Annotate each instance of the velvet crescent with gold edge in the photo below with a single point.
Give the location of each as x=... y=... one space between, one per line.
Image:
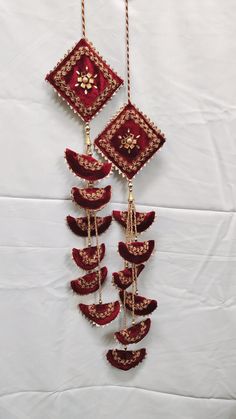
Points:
x=87 y=258
x=142 y=305
x=86 y=167
x=84 y=80
x=143 y=219
x=136 y=252
x=134 y=333
x=90 y=282
x=79 y=226
x=100 y=314
x=129 y=140
x=91 y=198
x=125 y=360
x=123 y=279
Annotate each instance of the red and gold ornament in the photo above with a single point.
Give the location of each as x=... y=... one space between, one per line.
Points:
x=86 y=82
x=129 y=141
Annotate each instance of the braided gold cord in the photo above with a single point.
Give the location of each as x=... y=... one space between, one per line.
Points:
x=89 y=228
x=83 y=17
x=98 y=254
x=127 y=48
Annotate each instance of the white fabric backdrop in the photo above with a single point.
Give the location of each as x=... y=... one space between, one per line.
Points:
x=183 y=56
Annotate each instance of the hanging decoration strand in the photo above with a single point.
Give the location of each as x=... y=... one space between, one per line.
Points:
x=127 y=48
x=83 y=17
x=99 y=259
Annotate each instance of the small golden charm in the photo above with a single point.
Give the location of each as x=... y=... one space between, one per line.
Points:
x=86 y=80
x=129 y=141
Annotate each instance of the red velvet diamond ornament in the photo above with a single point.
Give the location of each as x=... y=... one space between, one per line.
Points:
x=79 y=226
x=88 y=258
x=134 y=333
x=142 y=305
x=125 y=360
x=143 y=219
x=84 y=80
x=86 y=167
x=123 y=279
x=129 y=140
x=89 y=283
x=100 y=314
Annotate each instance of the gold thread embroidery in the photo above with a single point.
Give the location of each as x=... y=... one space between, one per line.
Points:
x=58 y=78
x=135 y=356
x=101 y=315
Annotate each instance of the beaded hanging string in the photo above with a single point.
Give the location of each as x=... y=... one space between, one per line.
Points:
x=84 y=80
x=129 y=141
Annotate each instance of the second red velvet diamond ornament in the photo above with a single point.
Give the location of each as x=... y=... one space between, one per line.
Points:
x=129 y=141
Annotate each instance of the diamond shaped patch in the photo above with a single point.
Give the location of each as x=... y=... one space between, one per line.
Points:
x=84 y=80
x=130 y=140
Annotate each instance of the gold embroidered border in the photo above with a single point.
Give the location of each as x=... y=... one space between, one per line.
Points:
x=60 y=82
x=110 y=307
x=135 y=356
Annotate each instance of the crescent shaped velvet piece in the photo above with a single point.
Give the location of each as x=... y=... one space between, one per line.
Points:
x=89 y=283
x=123 y=279
x=142 y=305
x=143 y=219
x=86 y=167
x=136 y=252
x=125 y=360
x=79 y=226
x=84 y=80
x=100 y=314
x=87 y=258
x=91 y=198
x=134 y=333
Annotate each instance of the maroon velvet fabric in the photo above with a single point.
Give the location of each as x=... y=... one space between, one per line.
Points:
x=142 y=305
x=136 y=252
x=143 y=220
x=86 y=167
x=87 y=258
x=91 y=198
x=123 y=279
x=124 y=359
x=100 y=314
x=79 y=226
x=133 y=334
x=89 y=283
x=81 y=60
x=129 y=140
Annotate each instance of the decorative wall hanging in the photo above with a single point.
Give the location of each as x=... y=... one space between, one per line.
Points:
x=128 y=142
x=86 y=82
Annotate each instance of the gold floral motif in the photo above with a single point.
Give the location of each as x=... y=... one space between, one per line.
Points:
x=137 y=306
x=90 y=165
x=101 y=315
x=140 y=217
x=85 y=284
x=125 y=333
x=88 y=259
x=135 y=356
x=93 y=195
x=129 y=141
x=125 y=279
x=85 y=80
x=83 y=224
x=138 y=250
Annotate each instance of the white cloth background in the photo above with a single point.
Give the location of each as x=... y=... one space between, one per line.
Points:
x=183 y=61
